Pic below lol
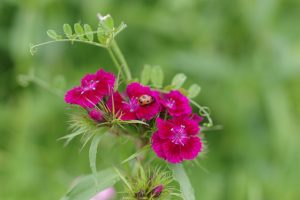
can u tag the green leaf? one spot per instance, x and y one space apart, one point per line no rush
53 35
106 21
89 32
146 75
157 76
180 175
93 153
178 80
123 179
140 152
101 36
194 90
79 31
133 122
85 186
68 30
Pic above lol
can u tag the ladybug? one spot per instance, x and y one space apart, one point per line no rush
145 100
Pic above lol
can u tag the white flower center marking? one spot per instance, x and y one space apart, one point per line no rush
179 136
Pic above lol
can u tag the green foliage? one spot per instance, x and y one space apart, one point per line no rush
89 32
178 80
137 154
157 76
146 75
106 33
106 22
79 31
180 175
68 31
85 187
194 90
142 183
93 153
81 125
53 35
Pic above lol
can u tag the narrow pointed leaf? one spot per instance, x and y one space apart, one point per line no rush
93 153
135 155
180 175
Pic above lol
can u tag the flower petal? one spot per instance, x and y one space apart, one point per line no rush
164 128
172 152
136 90
191 148
157 145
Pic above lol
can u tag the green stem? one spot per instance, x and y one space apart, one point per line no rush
115 61
33 47
115 48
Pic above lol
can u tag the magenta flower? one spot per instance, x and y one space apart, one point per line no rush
92 89
176 104
143 101
176 139
96 114
121 107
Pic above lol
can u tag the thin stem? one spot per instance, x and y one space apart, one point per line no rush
115 61
115 48
33 47
43 84
204 112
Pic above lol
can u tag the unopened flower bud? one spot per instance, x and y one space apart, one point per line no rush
96 115
157 190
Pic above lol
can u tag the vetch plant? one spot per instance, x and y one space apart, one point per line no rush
157 117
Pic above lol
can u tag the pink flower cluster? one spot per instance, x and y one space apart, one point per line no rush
176 138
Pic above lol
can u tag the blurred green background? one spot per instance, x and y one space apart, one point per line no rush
244 53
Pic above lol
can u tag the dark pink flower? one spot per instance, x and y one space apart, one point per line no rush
92 89
96 114
177 139
176 104
143 101
120 107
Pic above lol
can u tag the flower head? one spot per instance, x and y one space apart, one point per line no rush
92 89
176 104
176 139
143 101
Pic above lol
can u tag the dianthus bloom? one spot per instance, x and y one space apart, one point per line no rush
176 104
142 101
92 89
121 108
177 139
